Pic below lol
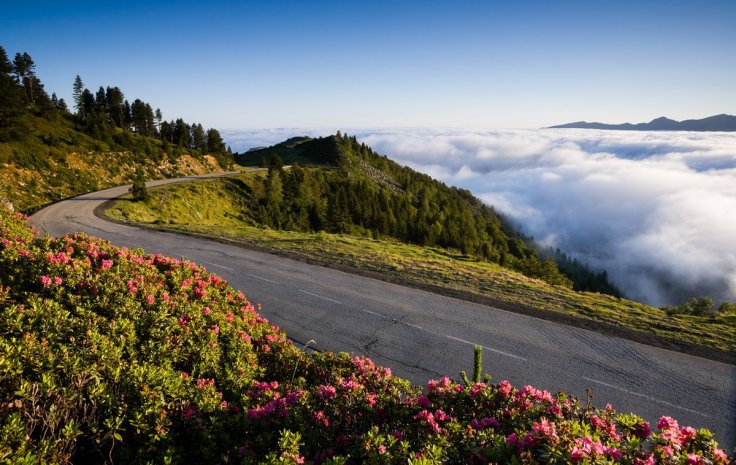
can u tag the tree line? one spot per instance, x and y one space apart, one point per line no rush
99 113
364 193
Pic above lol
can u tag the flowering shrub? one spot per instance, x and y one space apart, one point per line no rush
111 355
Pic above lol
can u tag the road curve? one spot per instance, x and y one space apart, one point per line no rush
421 335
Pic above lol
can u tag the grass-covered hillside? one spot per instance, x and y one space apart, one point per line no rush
365 194
110 355
49 151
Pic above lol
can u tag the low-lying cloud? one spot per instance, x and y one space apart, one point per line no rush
655 209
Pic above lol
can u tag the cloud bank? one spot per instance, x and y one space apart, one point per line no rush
655 209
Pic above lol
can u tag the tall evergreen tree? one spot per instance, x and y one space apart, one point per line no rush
101 101
25 72
62 106
127 115
139 117
88 103
214 141
115 106
199 138
11 102
77 91
159 118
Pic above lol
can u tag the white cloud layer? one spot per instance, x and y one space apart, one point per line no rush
655 209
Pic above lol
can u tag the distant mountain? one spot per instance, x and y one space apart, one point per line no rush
712 123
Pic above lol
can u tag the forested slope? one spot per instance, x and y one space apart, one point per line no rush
360 192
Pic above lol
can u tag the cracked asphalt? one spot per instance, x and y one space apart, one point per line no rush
421 336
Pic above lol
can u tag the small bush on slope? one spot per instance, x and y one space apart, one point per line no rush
112 355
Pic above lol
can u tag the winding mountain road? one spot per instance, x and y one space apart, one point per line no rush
421 335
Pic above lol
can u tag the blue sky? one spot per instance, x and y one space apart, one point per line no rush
393 63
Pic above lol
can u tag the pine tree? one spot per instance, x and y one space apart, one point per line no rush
11 102
62 106
199 138
24 69
5 66
139 190
77 91
101 101
115 106
159 118
88 103
214 141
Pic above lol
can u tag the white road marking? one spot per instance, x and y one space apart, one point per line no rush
373 313
486 347
638 394
409 324
262 279
321 297
219 266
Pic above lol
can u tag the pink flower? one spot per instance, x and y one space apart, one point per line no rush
614 453
325 392
688 433
577 454
320 418
649 460
477 389
504 387
106 264
694 459
58 281
206 311
667 423
46 281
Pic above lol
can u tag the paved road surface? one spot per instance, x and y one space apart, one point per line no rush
420 335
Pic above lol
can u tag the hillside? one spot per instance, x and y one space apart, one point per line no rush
109 355
365 194
711 123
48 152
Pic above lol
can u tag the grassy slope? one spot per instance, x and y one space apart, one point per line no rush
217 208
56 161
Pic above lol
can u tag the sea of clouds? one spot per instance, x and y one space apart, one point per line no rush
657 210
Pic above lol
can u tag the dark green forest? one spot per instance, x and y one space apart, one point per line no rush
360 192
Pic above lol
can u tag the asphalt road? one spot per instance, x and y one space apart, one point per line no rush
420 335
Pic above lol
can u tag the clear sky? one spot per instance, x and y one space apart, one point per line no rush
324 63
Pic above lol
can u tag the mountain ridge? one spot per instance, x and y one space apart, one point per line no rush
715 123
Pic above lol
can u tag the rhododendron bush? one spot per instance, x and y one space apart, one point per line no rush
109 355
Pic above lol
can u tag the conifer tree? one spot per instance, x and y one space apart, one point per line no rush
101 101
77 91
159 118
11 102
214 141
199 138
24 69
139 190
